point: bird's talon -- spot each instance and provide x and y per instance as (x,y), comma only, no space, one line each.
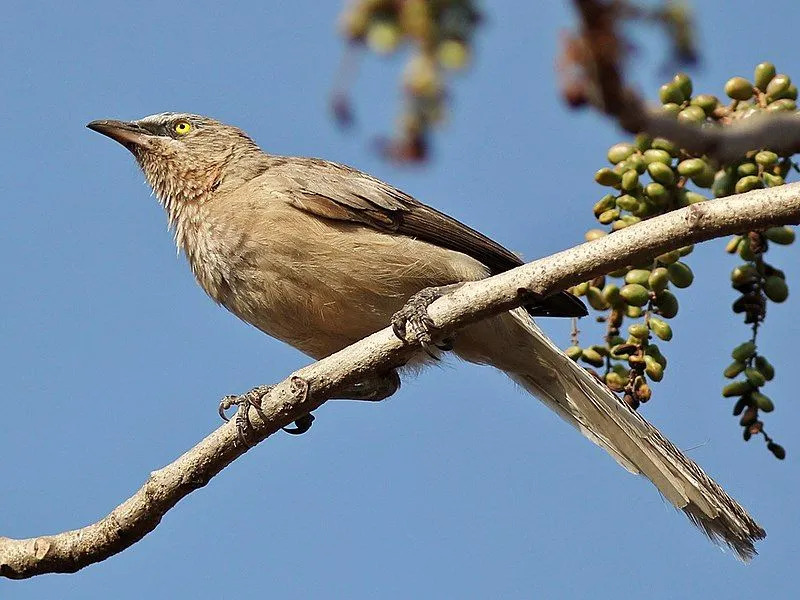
(302,425)
(414,317)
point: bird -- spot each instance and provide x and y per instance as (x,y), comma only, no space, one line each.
(320,255)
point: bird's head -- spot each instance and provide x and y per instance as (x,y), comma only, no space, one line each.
(185,157)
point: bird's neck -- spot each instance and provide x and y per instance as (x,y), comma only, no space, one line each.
(183,190)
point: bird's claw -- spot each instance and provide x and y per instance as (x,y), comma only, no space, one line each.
(301,425)
(243,404)
(414,316)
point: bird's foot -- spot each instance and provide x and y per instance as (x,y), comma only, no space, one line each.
(253,399)
(243,403)
(414,317)
(374,389)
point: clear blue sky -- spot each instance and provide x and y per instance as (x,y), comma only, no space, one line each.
(113,360)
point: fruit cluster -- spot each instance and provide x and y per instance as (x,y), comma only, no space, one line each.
(651,176)
(441,34)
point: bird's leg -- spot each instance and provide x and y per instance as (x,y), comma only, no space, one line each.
(414,316)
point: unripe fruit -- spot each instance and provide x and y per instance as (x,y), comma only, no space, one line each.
(661,173)
(574,352)
(667,304)
(763,74)
(658,279)
(670,93)
(766,158)
(639,276)
(780,235)
(661,329)
(595,299)
(763,402)
(755,377)
(653,368)
(619,152)
(736,388)
(776,289)
(611,294)
(639,331)
(606,176)
(779,84)
(692,114)
(738,88)
(766,369)
(745,184)
(605,203)
(635,294)
(733,369)
(691,166)
(743,351)
(592,357)
(680,275)
(684,83)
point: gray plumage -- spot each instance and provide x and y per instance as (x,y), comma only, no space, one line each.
(320,255)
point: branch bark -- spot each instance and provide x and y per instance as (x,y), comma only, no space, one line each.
(311,386)
(604,87)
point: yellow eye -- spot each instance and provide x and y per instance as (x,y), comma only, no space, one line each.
(183,127)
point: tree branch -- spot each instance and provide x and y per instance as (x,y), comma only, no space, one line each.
(597,53)
(309,387)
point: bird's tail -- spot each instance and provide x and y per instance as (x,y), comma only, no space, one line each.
(514,344)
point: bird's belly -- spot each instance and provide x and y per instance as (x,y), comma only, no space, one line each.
(323,292)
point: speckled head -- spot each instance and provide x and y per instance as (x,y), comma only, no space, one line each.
(185,157)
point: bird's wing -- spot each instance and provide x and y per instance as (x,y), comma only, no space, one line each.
(334,191)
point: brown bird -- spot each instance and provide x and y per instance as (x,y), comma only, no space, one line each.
(320,255)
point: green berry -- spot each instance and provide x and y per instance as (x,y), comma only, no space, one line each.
(661,173)
(755,377)
(658,279)
(733,369)
(574,352)
(763,74)
(635,294)
(738,88)
(765,368)
(667,304)
(637,276)
(605,203)
(766,158)
(671,93)
(736,388)
(684,83)
(779,84)
(596,299)
(691,166)
(680,274)
(639,331)
(692,114)
(780,235)
(775,288)
(619,152)
(660,328)
(763,402)
(743,351)
(745,184)
(606,176)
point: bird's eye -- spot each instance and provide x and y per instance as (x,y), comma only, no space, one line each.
(182,127)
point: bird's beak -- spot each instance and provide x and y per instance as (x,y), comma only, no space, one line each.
(128,134)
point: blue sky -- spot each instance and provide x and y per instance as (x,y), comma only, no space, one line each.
(460,486)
